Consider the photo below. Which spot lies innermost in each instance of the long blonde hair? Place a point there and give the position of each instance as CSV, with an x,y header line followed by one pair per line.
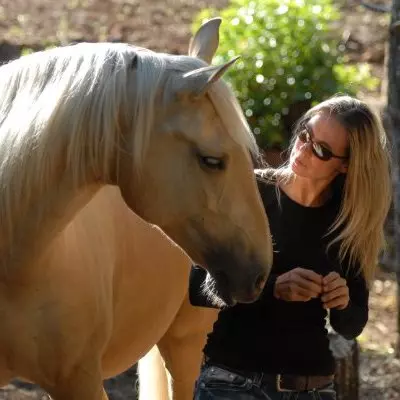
x,y
367,190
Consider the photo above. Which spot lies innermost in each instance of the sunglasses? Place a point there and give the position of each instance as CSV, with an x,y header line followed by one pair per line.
x,y
318,149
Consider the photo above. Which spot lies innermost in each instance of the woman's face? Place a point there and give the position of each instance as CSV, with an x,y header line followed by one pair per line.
x,y
327,134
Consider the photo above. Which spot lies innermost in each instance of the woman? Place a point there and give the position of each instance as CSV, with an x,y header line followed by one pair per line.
x,y
326,206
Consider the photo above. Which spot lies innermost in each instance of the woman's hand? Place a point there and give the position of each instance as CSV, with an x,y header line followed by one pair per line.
x,y
335,291
299,284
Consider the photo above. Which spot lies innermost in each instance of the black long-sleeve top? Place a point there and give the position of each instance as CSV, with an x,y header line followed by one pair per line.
x,y
277,336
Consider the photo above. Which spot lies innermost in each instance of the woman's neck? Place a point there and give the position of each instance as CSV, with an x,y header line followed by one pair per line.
x,y
306,192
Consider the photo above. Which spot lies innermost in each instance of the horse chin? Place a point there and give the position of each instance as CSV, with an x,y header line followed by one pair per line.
x,y
229,302
225,297
218,294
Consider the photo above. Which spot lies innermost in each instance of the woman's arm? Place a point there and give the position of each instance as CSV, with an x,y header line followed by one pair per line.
x,y
351,321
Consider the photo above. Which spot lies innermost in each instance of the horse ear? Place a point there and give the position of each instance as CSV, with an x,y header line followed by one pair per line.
x,y
204,43
198,81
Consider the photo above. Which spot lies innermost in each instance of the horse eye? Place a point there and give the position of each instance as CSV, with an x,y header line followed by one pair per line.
x,y
214,163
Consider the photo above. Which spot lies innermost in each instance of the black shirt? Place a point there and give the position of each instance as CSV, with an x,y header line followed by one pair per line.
x,y
276,336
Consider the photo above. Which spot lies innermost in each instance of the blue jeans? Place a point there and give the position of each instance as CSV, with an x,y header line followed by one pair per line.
x,y
215,383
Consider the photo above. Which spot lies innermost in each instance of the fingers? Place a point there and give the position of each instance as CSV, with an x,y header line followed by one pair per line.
x,y
338,302
299,285
336,293
289,291
301,293
340,291
313,287
334,283
308,287
302,284
309,275
332,276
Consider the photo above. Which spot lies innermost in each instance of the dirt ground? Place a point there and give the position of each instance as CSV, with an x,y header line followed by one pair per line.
x,y
164,25
380,369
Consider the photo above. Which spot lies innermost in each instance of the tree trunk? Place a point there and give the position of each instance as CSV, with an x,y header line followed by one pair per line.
x,y
346,354
393,121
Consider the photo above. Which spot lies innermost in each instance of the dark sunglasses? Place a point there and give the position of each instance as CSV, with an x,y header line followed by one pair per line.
x,y
318,149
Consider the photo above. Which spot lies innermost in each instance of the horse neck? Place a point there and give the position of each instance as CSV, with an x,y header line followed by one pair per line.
x,y
34,226
43,185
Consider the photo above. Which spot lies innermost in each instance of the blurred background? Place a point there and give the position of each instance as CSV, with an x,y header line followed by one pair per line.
x,y
293,53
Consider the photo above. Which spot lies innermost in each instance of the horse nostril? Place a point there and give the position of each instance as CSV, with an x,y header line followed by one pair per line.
x,y
260,282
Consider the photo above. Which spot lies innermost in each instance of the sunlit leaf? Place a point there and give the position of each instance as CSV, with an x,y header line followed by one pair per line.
x,y
287,55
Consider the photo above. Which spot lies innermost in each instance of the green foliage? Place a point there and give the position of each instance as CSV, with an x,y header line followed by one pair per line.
x,y
287,54
26,51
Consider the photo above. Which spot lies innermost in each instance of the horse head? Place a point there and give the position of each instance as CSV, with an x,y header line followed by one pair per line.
x,y
196,179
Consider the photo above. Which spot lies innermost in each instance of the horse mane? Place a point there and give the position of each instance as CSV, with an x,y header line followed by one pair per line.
x,y
64,112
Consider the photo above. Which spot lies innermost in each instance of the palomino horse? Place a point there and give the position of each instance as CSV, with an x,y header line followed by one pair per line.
x,y
168,133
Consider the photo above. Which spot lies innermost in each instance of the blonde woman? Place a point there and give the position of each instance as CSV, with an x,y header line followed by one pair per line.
x,y
326,207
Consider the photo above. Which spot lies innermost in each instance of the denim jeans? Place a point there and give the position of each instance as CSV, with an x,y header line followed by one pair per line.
x,y
215,383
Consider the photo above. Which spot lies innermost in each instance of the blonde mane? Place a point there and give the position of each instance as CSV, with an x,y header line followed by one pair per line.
x,y
64,112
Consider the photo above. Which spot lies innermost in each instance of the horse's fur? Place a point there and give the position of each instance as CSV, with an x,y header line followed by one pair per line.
x,y
96,139
169,370
122,282
88,100
153,124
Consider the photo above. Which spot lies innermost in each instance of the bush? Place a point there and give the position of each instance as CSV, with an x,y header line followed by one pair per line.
x,y
288,56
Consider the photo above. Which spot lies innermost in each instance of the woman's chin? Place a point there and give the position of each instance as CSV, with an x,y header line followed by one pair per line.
x,y
296,167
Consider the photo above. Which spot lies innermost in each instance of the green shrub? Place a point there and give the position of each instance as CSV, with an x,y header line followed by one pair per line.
x,y
288,54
